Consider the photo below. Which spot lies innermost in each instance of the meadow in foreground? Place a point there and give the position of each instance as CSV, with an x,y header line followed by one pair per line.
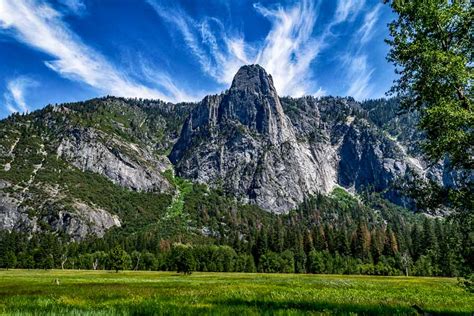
x,y
147,293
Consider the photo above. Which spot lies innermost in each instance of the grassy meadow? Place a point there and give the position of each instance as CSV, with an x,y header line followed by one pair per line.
x,y
24,292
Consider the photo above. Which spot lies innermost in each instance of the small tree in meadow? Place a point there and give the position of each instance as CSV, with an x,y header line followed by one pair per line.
x,y
183,258
316,262
118,259
10,260
406,262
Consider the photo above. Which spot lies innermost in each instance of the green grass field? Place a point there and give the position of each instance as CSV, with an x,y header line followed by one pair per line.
x,y
155,293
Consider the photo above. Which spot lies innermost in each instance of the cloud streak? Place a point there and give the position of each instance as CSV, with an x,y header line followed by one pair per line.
x,y
76,7
219,54
347,10
286,52
359,71
365,32
289,47
359,74
40,26
14,95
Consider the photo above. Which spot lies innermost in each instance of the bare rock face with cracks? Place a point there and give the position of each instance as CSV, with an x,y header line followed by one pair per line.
x,y
243,141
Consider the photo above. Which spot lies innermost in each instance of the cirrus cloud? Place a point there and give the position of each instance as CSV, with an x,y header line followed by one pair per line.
x,y
40,26
14,96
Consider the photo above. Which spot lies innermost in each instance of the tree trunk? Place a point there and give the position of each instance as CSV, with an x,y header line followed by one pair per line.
x,y
462,97
138,261
63,262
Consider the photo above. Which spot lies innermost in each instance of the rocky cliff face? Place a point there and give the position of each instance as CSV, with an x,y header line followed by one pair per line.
x,y
244,142
55,164
126,164
77,220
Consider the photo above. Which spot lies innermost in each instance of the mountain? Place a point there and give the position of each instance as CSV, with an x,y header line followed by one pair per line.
x,y
77,167
84,168
243,141
274,152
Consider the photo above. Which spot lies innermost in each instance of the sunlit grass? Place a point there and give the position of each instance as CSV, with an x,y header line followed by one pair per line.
x,y
148,293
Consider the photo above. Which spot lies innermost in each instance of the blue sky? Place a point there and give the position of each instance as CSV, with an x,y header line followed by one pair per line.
x,y
54,51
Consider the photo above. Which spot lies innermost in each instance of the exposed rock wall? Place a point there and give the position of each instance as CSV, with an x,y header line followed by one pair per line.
x,y
124,163
243,141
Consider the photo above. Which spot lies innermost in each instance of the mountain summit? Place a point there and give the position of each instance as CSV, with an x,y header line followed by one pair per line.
x,y
253,78
253,102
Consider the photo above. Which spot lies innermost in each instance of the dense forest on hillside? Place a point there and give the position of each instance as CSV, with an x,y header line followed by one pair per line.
x,y
335,234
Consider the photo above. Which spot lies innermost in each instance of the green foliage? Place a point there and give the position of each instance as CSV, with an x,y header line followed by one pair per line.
x,y
245,263
423,266
8,260
432,48
270,244
468,283
183,258
317,262
270,262
119,259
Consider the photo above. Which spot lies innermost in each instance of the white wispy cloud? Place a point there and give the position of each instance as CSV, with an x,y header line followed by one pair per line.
x,y
14,96
320,92
40,26
359,74
289,47
145,69
366,31
77,7
357,66
347,10
220,54
286,53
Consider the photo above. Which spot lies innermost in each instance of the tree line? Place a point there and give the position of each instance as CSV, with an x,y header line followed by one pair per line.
x,y
429,248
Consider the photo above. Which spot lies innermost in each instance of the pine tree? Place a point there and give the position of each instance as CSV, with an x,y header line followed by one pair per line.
x,y
343,245
300,261
416,242
261,245
391,243
429,241
329,233
361,242
377,243
287,261
308,242
183,258
316,262
319,238
9,260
